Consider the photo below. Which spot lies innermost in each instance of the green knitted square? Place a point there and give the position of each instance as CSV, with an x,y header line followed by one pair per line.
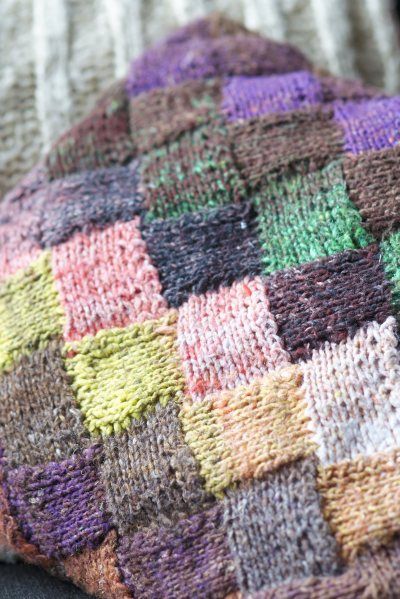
x,y
120,374
30,312
305,217
390,249
195,172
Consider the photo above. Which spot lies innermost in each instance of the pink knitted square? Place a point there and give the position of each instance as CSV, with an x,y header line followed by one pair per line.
x,y
106,279
227,338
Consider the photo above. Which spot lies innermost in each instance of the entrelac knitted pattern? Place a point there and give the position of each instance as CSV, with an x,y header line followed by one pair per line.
x,y
199,308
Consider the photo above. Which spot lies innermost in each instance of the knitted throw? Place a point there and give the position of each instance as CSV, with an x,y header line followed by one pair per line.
x,y
200,374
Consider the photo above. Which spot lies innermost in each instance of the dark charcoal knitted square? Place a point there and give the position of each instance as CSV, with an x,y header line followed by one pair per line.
x,y
79,202
89,199
202,251
328,300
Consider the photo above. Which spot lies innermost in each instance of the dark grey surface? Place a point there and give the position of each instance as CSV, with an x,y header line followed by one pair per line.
x,y
20,581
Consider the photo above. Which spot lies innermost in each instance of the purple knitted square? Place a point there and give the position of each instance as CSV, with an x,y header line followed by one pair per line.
x,y
172,63
60,506
247,97
369,125
190,559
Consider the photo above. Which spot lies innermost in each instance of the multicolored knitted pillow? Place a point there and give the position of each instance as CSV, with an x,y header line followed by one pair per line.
x,y
200,373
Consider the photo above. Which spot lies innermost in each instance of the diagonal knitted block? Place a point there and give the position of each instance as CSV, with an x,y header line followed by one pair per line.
x,y
96,569
369,125
162,115
305,217
245,433
49,214
240,54
105,280
101,140
200,252
228,338
328,300
30,312
373,181
121,374
31,405
88,200
353,390
300,141
361,500
281,513
20,223
35,180
161,563
390,252
12,541
196,171
150,474
19,239
247,97
373,572
60,507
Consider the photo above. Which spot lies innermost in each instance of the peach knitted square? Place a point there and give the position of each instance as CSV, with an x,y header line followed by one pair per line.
x,y
227,338
106,279
245,433
361,500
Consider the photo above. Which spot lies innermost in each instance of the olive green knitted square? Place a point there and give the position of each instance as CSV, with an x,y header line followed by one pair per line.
x,y
30,312
305,217
120,374
195,172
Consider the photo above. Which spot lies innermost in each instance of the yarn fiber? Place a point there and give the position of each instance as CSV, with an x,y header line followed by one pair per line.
x,y
58,55
199,305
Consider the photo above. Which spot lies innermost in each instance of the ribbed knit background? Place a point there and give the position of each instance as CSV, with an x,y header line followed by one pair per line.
x,y
56,55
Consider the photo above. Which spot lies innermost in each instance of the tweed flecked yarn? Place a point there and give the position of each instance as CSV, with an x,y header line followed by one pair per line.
x,y
199,308
57,55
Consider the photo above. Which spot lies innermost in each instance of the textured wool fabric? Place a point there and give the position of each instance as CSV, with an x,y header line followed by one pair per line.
x,y
56,55
199,307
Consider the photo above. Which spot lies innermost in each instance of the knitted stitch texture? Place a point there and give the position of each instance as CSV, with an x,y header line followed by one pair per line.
x,y
57,55
199,307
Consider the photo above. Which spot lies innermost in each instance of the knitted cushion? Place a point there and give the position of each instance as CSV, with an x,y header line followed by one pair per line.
x,y
200,377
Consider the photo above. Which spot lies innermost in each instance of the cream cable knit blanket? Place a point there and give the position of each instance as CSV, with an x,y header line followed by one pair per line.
x,y
56,55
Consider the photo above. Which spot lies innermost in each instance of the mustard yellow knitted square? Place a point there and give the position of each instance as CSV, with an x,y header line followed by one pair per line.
x,y
30,312
119,374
